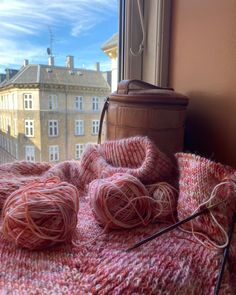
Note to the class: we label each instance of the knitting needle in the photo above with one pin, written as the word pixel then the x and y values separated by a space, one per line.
pixel 167 229
pixel 225 256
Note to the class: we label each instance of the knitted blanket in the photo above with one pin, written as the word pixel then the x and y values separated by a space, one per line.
pixel 97 262
pixel 172 264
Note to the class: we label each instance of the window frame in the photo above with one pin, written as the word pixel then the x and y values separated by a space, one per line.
pixel 95 104
pixel 27 101
pixel 53 102
pixel 79 128
pixel 30 148
pixel 52 151
pixel 79 105
pixel 28 121
pixel 53 128
pixel 95 126
pixel 156 14
pixel 79 149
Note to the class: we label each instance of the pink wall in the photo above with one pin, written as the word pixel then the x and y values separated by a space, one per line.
pixel 203 66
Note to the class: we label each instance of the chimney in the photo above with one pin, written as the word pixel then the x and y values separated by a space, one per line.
pixel 26 62
pixel 70 62
pixel 10 73
pixel 97 66
pixel 51 60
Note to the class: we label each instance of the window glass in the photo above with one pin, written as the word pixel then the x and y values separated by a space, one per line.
pixel 79 127
pixel 79 103
pixel 29 128
pixel 95 104
pixel 58 61
pixel 28 101
pixel 79 149
pixel 95 127
pixel 53 153
pixel 30 153
pixel 53 127
pixel 52 102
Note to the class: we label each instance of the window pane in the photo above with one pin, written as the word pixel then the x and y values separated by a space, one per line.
pixel 63 65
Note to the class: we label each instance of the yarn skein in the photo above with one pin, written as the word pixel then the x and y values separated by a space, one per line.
pixel 165 201
pixel 41 214
pixel 120 201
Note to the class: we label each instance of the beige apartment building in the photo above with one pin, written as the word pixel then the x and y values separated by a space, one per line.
pixel 110 48
pixel 49 113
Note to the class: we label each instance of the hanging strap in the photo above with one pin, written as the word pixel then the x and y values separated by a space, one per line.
pixel 104 109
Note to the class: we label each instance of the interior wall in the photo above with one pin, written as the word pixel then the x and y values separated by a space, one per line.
pixel 203 66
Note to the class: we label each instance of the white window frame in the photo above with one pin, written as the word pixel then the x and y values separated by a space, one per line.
pixel 52 102
pixel 29 128
pixel 95 104
pixel 79 127
pixel 79 149
pixel 95 127
pixel 53 153
pixel 53 128
pixel 30 153
pixel 79 103
pixel 28 101
pixel 152 64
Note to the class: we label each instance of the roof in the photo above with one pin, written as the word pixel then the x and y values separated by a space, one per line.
pixel 44 74
pixel 111 42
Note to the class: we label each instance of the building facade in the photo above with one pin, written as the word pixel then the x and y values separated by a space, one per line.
pixel 49 113
pixel 110 48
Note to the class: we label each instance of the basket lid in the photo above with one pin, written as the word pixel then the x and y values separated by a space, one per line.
pixel 137 91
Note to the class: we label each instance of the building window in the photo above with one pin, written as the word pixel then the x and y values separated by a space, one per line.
pixel 52 128
pixel 53 153
pixel 79 103
pixel 29 128
pixel 15 126
pixel 95 105
pixel 95 127
pixel 79 149
pixel 30 153
pixel 28 101
pixel 52 102
pixel 79 127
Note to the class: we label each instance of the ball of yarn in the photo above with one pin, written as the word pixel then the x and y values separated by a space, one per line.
pixel 165 201
pixel 41 214
pixel 120 201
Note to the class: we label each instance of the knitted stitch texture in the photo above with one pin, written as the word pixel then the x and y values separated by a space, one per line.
pixel 16 174
pixel 197 179
pixel 137 156
pixel 174 264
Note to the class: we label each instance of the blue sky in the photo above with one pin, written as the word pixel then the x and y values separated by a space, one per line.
pixel 79 28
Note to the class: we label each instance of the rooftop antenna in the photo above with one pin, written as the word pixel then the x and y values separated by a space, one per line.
pixel 51 39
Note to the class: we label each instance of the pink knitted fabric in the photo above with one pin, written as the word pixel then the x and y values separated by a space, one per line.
pixel 198 177
pixel 174 264
pixel 16 174
pixel 67 171
pixel 137 156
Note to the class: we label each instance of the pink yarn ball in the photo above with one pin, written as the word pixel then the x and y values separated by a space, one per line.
pixel 120 201
pixel 164 204
pixel 41 214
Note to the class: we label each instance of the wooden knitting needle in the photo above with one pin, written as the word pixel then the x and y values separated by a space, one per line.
pixel 225 256
pixel 169 228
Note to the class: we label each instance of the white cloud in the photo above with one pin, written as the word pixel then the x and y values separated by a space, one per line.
pixel 21 20
pixel 26 16
pixel 11 54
